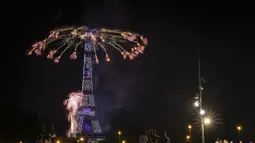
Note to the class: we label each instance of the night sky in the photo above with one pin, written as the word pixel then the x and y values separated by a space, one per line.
pixel 154 91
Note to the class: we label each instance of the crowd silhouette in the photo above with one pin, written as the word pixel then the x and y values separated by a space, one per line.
pixel 153 136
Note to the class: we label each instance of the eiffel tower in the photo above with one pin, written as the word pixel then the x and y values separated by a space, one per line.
pixel 88 123
pixel 86 117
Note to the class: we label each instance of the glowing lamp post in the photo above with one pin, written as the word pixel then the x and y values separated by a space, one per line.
pixel 119 134
pixel 188 138
pixel 239 129
pixel 198 103
pixel 190 127
pixel 205 118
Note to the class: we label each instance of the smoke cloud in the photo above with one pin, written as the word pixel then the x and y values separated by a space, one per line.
pixel 113 94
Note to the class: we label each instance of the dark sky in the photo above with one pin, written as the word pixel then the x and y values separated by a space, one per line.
pixel 155 90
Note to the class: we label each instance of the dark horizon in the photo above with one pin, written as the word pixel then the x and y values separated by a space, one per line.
pixel 157 89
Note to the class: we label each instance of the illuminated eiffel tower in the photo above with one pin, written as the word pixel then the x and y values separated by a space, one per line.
pixel 86 117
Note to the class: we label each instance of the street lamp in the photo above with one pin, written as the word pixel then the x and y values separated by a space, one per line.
pixel 58 141
pixel 119 134
pixel 188 138
pixel 123 141
pixel 239 128
pixel 190 127
pixel 199 103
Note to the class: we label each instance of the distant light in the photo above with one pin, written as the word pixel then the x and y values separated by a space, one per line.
pixel 202 112
pixel 188 137
pixel 189 126
pixel 207 120
pixel 196 104
pixel 239 128
pixel 20 142
pixel 123 141
pixel 82 139
pixel 119 132
pixel 58 141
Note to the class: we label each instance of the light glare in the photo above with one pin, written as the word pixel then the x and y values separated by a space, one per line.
pixel 196 104
pixel 202 112
pixel 207 120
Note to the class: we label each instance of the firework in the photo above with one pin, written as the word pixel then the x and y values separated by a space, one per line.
pixel 71 38
pixel 73 103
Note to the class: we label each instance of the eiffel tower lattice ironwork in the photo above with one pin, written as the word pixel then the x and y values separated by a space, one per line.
pixel 86 117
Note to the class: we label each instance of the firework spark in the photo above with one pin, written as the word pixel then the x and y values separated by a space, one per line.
pixel 73 37
pixel 73 103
